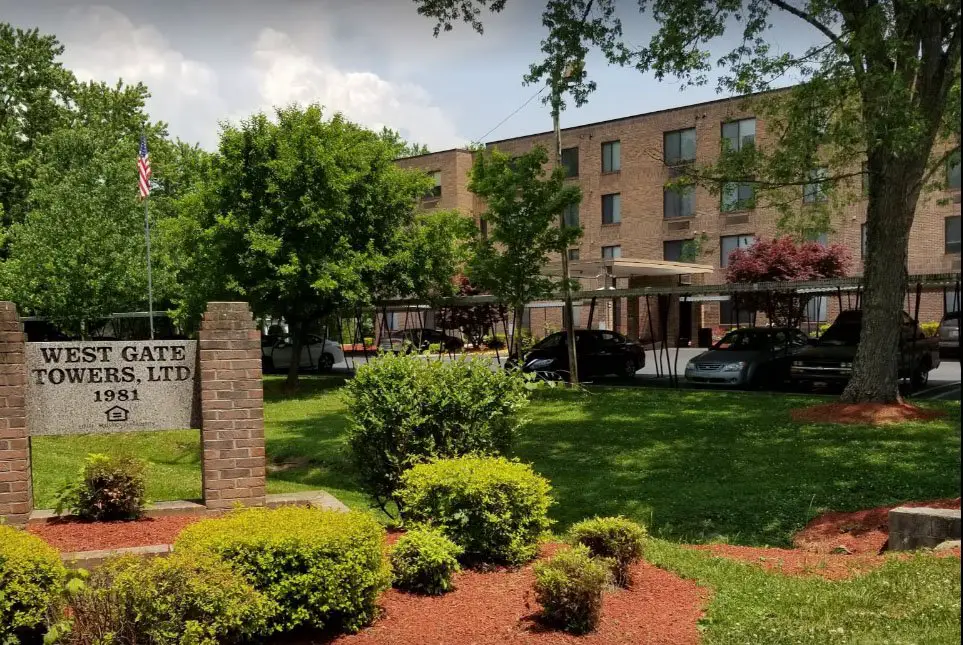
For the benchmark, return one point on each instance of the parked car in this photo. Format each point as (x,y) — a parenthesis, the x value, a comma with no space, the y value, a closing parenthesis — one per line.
(748,357)
(317,353)
(830,360)
(949,332)
(598,352)
(419,339)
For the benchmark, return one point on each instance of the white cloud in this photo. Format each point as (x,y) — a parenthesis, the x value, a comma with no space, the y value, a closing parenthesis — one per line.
(104,44)
(288,74)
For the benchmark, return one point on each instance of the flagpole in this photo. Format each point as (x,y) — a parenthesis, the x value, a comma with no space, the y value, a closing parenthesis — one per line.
(150,283)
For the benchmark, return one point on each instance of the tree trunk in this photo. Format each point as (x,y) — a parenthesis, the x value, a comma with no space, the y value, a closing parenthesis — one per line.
(892,203)
(515,348)
(296,335)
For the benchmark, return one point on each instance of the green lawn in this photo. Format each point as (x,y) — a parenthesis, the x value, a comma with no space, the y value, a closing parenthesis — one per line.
(694,466)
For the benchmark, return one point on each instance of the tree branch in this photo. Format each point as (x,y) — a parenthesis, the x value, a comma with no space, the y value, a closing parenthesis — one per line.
(799,13)
(939,163)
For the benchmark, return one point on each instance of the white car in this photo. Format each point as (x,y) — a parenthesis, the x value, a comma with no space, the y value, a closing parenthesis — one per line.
(317,353)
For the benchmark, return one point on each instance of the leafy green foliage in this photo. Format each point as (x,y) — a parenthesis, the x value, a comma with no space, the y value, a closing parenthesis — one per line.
(405,410)
(107,488)
(31,578)
(523,208)
(182,599)
(493,508)
(423,560)
(569,587)
(614,538)
(323,569)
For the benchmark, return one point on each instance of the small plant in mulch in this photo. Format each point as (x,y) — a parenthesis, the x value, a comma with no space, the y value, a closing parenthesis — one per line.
(569,587)
(107,488)
(615,538)
(424,561)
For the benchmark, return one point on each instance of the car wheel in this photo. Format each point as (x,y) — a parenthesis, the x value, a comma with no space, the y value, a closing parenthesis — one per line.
(630,367)
(325,363)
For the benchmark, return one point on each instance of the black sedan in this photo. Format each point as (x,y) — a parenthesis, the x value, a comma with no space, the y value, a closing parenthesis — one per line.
(599,353)
(420,339)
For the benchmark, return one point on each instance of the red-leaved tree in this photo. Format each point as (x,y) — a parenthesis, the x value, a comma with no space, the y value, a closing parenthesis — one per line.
(784,259)
(473,320)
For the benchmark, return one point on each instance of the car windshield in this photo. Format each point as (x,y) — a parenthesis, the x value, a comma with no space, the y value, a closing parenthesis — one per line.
(841,335)
(952,319)
(743,341)
(555,340)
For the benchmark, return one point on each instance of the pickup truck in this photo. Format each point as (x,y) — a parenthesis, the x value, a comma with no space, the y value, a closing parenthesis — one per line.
(830,358)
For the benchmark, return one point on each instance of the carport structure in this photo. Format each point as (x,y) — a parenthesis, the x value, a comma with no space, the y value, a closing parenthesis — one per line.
(659,293)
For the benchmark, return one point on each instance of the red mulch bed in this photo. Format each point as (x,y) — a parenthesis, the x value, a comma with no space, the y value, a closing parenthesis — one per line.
(860,532)
(499,607)
(796,561)
(864,413)
(70,536)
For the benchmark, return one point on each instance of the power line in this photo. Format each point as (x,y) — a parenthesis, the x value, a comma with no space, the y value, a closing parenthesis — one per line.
(516,111)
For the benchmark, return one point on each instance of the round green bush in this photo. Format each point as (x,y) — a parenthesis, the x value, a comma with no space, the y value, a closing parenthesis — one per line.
(182,599)
(324,569)
(31,579)
(107,488)
(569,587)
(405,410)
(615,538)
(493,508)
(424,561)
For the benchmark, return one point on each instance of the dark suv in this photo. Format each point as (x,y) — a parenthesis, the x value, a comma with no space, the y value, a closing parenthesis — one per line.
(598,352)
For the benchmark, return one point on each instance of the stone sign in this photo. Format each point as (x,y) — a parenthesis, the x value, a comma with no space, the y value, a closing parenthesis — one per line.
(110,386)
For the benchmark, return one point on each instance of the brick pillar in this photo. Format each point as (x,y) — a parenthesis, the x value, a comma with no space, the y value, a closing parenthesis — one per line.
(16,497)
(232,407)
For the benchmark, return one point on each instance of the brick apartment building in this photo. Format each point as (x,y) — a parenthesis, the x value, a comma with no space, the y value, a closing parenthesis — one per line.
(633,227)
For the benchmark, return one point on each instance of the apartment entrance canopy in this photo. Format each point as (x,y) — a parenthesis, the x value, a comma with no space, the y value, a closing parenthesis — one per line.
(627,268)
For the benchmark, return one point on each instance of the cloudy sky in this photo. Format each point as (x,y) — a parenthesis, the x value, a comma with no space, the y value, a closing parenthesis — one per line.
(375,60)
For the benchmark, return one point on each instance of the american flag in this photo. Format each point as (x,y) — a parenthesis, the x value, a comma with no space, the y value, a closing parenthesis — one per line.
(143,167)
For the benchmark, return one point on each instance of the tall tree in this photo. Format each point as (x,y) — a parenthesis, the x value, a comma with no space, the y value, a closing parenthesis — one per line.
(402,148)
(881,85)
(522,209)
(35,90)
(304,215)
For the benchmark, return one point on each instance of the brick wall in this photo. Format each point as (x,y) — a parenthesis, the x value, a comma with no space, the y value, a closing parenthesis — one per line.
(454,166)
(232,407)
(16,498)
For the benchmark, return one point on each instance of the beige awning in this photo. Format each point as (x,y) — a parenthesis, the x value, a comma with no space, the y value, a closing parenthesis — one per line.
(627,268)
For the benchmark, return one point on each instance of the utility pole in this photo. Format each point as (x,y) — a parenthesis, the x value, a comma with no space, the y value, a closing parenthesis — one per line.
(560,76)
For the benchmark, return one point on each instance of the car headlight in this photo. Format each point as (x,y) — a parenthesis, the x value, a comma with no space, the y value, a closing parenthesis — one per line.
(733,367)
(846,365)
(538,364)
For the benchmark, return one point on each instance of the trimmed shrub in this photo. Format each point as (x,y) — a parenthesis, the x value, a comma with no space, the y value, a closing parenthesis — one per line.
(493,508)
(405,410)
(183,599)
(569,587)
(930,329)
(614,538)
(323,569)
(424,561)
(107,488)
(31,579)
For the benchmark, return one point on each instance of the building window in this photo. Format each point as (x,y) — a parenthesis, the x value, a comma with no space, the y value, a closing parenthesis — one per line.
(611,252)
(679,146)
(951,301)
(392,321)
(611,156)
(678,202)
(483,227)
(570,161)
(953,171)
(815,190)
(435,191)
(612,208)
(821,239)
(729,243)
(865,178)
(570,215)
(675,250)
(816,309)
(862,240)
(737,197)
(729,315)
(573,255)
(953,234)
(736,135)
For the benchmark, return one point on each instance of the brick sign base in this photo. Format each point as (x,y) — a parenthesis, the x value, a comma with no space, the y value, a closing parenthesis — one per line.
(227,390)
